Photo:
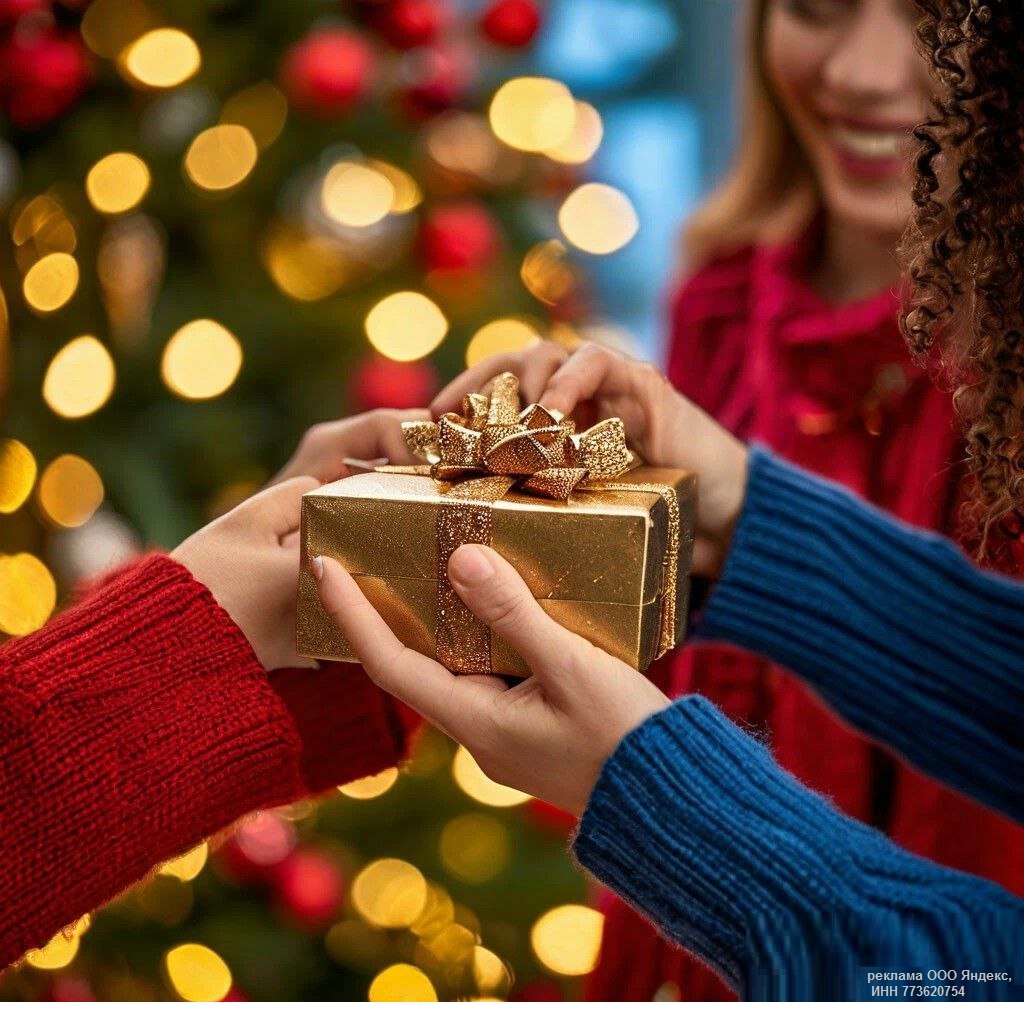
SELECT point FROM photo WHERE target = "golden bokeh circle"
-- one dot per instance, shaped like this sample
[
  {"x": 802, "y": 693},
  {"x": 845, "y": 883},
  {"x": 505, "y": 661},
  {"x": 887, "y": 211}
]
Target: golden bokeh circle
[
  {"x": 532, "y": 114},
  {"x": 470, "y": 778},
  {"x": 498, "y": 337},
  {"x": 197, "y": 973},
  {"x": 402, "y": 983},
  {"x": 475, "y": 847},
  {"x": 17, "y": 474},
  {"x": 598, "y": 219},
  {"x": 117, "y": 183},
  {"x": 390, "y": 893},
  {"x": 567, "y": 939},
  {"x": 221, "y": 157},
  {"x": 80, "y": 378},
  {"x": 201, "y": 360},
  {"x": 406, "y": 326},
  {"x": 370, "y": 787},
  {"x": 50, "y": 282},
  {"x": 162, "y": 58},
  {"x": 28, "y": 594},
  {"x": 356, "y": 195},
  {"x": 70, "y": 491}
]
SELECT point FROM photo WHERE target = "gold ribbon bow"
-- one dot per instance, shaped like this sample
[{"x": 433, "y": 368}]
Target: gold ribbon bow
[{"x": 494, "y": 446}]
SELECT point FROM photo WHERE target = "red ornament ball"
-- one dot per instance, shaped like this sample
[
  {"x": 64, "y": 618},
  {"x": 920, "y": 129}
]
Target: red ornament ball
[
  {"x": 406, "y": 24},
  {"x": 256, "y": 849},
  {"x": 511, "y": 23},
  {"x": 327, "y": 73},
  {"x": 460, "y": 237},
  {"x": 435, "y": 79},
  {"x": 381, "y": 383},
  {"x": 310, "y": 888},
  {"x": 12, "y": 11},
  {"x": 42, "y": 77}
]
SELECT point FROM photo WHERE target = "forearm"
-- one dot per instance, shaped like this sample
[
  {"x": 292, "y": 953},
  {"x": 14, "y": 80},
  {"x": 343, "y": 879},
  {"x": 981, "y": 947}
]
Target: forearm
[
  {"x": 139, "y": 723},
  {"x": 893, "y": 626},
  {"x": 694, "y": 824}
]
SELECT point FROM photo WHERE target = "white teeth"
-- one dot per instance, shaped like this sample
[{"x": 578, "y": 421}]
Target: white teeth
[{"x": 869, "y": 145}]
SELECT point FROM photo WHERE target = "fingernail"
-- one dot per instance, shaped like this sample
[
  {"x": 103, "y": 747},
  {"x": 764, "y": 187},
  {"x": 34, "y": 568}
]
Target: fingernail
[
  {"x": 470, "y": 566},
  {"x": 317, "y": 565}
]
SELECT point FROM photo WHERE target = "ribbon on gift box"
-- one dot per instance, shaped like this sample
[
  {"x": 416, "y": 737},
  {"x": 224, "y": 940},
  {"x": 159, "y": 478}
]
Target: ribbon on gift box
[{"x": 493, "y": 447}]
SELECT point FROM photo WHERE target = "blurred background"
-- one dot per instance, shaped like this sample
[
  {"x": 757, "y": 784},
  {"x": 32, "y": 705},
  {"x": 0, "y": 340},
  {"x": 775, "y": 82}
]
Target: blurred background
[{"x": 223, "y": 222}]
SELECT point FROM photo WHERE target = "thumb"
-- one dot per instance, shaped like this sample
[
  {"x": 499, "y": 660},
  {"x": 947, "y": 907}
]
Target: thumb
[
  {"x": 277, "y": 510},
  {"x": 496, "y": 594}
]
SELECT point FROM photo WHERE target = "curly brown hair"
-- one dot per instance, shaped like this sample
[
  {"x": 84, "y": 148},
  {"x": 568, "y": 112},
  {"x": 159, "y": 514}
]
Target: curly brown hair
[{"x": 965, "y": 243}]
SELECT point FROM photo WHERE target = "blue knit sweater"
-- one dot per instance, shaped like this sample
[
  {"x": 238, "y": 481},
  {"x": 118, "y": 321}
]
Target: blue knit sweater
[{"x": 694, "y": 823}]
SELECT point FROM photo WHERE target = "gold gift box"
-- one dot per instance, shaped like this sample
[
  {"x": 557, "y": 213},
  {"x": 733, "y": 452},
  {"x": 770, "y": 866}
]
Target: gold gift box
[{"x": 595, "y": 562}]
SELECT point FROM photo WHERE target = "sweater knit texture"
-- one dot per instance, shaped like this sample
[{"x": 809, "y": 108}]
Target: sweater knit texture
[
  {"x": 695, "y": 825},
  {"x": 139, "y": 723}
]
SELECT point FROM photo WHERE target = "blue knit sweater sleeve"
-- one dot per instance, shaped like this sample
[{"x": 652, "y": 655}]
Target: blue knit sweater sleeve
[
  {"x": 892, "y": 626},
  {"x": 693, "y": 823}
]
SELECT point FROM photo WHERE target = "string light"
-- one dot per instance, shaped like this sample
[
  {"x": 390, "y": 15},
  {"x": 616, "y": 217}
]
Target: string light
[
  {"x": 28, "y": 594},
  {"x": 598, "y": 219},
  {"x": 406, "y": 326},
  {"x": 221, "y": 157},
  {"x": 567, "y": 939},
  {"x": 70, "y": 491},
  {"x": 500, "y": 336},
  {"x": 201, "y": 360},
  {"x": 356, "y": 195},
  {"x": 162, "y": 58},
  {"x": 475, "y": 847},
  {"x": 490, "y": 974},
  {"x": 470, "y": 778},
  {"x": 50, "y": 283},
  {"x": 80, "y": 378},
  {"x": 17, "y": 474},
  {"x": 304, "y": 267},
  {"x": 402, "y": 983},
  {"x": 188, "y": 865},
  {"x": 117, "y": 183},
  {"x": 532, "y": 114},
  {"x": 197, "y": 973},
  {"x": 389, "y": 893},
  {"x": 372, "y": 786},
  {"x": 407, "y": 194},
  {"x": 61, "y": 949},
  {"x": 584, "y": 139},
  {"x": 261, "y": 108}
]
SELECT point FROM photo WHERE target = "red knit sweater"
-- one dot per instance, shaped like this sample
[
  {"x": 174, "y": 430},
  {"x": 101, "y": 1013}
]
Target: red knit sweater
[{"x": 137, "y": 724}]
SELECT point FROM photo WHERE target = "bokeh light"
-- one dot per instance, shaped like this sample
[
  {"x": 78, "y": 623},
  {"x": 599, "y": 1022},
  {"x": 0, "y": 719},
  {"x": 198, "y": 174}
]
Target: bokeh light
[
  {"x": 28, "y": 594},
  {"x": 470, "y": 778},
  {"x": 61, "y": 949},
  {"x": 356, "y": 195},
  {"x": 407, "y": 194},
  {"x": 532, "y": 114},
  {"x": 499, "y": 336},
  {"x": 17, "y": 474},
  {"x": 80, "y": 378},
  {"x": 547, "y": 272},
  {"x": 584, "y": 139},
  {"x": 438, "y": 912},
  {"x": 490, "y": 973},
  {"x": 305, "y": 267},
  {"x": 117, "y": 183},
  {"x": 201, "y": 360},
  {"x": 50, "y": 283},
  {"x": 406, "y": 326},
  {"x": 372, "y": 786},
  {"x": 70, "y": 491},
  {"x": 261, "y": 108},
  {"x": 567, "y": 939},
  {"x": 197, "y": 973},
  {"x": 598, "y": 219},
  {"x": 188, "y": 865},
  {"x": 402, "y": 983},
  {"x": 108, "y": 26},
  {"x": 221, "y": 157},
  {"x": 40, "y": 227},
  {"x": 390, "y": 893},
  {"x": 475, "y": 847},
  {"x": 162, "y": 58}
]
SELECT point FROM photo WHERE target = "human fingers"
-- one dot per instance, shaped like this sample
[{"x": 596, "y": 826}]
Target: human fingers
[
  {"x": 277, "y": 510},
  {"x": 539, "y": 363},
  {"x": 449, "y": 399},
  {"x": 496, "y": 594},
  {"x": 579, "y": 378},
  {"x": 451, "y": 702}
]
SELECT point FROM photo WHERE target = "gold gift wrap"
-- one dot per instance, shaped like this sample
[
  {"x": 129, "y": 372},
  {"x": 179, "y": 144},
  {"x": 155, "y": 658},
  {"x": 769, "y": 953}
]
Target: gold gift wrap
[{"x": 608, "y": 557}]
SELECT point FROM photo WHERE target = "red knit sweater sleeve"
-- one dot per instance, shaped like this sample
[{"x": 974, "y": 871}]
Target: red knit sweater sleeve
[{"x": 138, "y": 723}]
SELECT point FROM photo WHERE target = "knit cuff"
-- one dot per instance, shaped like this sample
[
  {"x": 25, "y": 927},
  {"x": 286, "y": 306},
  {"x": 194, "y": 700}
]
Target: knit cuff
[
  {"x": 348, "y": 726},
  {"x": 694, "y": 824}
]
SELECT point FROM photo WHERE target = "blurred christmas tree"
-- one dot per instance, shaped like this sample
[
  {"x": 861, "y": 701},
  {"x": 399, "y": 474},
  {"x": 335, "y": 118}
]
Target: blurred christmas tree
[{"x": 222, "y": 231}]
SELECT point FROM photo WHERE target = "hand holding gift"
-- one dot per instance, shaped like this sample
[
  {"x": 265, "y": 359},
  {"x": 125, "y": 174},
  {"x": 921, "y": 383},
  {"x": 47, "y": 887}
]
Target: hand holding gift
[
  {"x": 662, "y": 426},
  {"x": 604, "y": 546},
  {"x": 549, "y": 735}
]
